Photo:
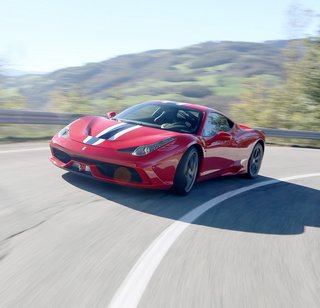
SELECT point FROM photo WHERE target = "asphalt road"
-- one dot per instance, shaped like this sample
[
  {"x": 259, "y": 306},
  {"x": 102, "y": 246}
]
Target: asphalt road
[{"x": 68, "y": 241}]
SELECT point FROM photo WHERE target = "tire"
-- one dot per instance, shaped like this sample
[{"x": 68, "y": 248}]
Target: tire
[
  {"x": 255, "y": 161},
  {"x": 186, "y": 173}
]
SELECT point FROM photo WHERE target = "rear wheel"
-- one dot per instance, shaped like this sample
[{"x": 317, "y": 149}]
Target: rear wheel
[
  {"x": 255, "y": 161},
  {"x": 186, "y": 172}
]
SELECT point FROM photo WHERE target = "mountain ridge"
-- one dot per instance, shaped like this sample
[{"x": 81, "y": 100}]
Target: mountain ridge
[{"x": 206, "y": 71}]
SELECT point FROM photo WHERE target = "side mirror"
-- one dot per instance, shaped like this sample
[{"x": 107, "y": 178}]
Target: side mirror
[{"x": 111, "y": 114}]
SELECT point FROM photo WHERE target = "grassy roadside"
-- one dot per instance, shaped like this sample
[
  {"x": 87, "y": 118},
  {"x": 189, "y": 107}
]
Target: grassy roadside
[{"x": 27, "y": 132}]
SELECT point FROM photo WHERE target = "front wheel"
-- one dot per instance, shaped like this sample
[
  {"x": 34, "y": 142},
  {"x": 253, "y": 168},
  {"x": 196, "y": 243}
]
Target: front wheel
[
  {"x": 255, "y": 161},
  {"x": 186, "y": 172}
]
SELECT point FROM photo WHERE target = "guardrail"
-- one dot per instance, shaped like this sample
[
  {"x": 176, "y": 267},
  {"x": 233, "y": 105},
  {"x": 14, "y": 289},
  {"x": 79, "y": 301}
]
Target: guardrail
[
  {"x": 36, "y": 117},
  {"x": 286, "y": 133},
  {"x": 53, "y": 118}
]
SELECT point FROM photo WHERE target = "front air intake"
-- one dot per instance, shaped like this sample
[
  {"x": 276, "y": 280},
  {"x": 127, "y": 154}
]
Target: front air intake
[{"x": 62, "y": 156}]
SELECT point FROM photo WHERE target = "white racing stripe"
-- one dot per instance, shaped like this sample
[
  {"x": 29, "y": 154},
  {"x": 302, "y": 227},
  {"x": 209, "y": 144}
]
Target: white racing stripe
[
  {"x": 24, "y": 150},
  {"x": 131, "y": 290}
]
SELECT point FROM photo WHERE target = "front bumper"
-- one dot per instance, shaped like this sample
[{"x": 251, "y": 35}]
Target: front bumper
[{"x": 107, "y": 164}]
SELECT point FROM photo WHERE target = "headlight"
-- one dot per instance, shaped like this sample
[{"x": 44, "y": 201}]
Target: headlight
[
  {"x": 65, "y": 132},
  {"x": 146, "y": 149}
]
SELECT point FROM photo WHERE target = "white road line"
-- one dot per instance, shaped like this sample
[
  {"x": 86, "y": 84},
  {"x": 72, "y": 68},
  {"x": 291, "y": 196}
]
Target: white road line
[
  {"x": 24, "y": 150},
  {"x": 131, "y": 290}
]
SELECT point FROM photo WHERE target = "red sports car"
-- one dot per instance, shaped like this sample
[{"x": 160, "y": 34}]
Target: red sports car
[{"x": 159, "y": 144}]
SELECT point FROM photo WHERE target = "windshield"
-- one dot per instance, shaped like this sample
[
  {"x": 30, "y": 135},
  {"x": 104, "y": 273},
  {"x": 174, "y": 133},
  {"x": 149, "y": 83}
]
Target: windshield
[{"x": 168, "y": 116}]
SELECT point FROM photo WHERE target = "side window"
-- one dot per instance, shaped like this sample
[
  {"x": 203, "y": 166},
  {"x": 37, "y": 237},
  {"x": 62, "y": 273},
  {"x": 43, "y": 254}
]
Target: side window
[{"x": 215, "y": 123}]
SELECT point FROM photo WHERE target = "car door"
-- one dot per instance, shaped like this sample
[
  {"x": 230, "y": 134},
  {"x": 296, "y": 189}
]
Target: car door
[{"x": 220, "y": 155}]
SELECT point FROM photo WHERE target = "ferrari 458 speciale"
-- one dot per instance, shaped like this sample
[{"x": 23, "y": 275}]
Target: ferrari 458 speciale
[{"x": 159, "y": 144}]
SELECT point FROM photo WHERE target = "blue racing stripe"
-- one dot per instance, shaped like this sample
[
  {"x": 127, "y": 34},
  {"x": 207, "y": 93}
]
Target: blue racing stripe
[
  {"x": 116, "y": 130},
  {"x": 92, "y": 140}
]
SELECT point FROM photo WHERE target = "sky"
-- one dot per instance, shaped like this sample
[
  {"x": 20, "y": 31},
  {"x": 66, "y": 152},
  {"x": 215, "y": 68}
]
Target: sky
[{"x": 46, "y": 35}]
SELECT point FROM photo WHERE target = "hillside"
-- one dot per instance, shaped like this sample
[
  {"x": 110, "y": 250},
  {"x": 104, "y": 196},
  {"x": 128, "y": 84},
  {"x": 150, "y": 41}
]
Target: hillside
[{"x": 211, "y": 73}]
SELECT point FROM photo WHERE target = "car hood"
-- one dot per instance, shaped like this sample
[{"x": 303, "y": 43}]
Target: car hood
[{"x": 102, "y": 132}]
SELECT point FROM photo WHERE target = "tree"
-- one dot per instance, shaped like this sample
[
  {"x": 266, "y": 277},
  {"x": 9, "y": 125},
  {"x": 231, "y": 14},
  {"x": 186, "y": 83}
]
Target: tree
[
  {"x": 311, "y": 80},
  {"x": 295, "y": 102},
  {"x": 256, "y": 106},
  {"x": 311, "y": 76}
]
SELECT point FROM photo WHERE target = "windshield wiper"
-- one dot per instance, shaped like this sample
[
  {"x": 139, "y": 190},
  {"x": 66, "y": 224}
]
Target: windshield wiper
[
  {"x": 130, "y": 121},
  {"x": 139, "y": 123}
]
